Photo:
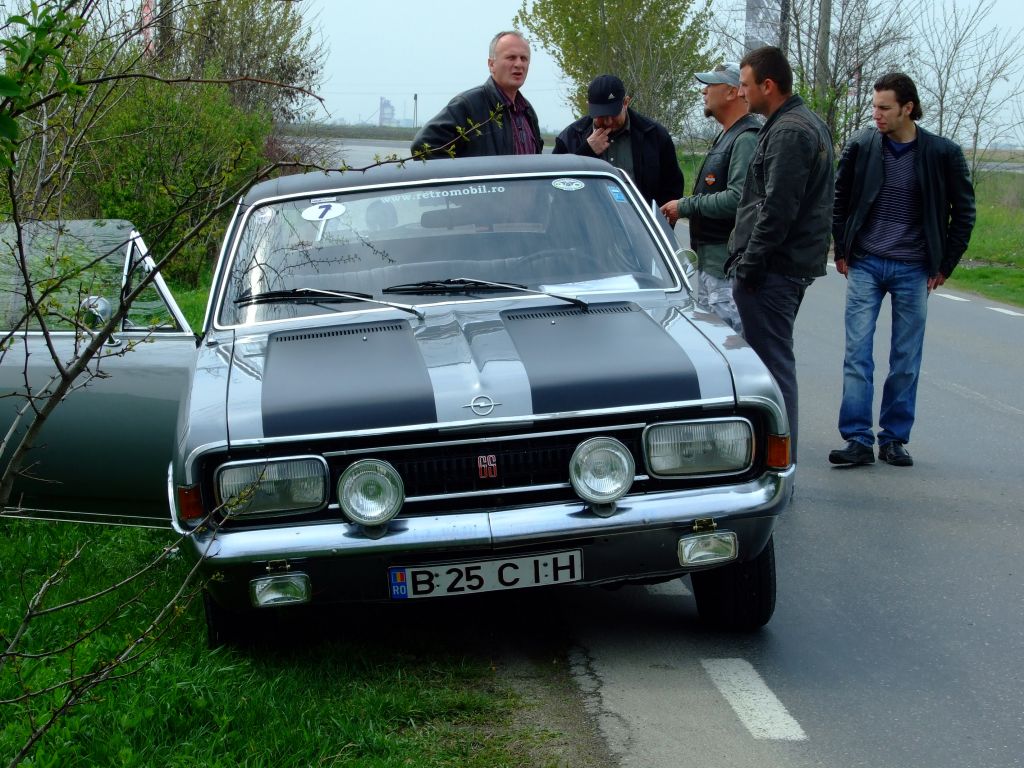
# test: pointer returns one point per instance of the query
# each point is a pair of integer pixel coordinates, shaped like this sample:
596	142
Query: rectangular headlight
273	486
709	447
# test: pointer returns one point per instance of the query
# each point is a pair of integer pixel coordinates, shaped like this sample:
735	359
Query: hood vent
359	330
600	309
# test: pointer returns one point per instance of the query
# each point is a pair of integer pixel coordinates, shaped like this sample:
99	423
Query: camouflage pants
714	294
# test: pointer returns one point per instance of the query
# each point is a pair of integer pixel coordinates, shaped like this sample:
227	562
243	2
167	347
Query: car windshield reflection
551	236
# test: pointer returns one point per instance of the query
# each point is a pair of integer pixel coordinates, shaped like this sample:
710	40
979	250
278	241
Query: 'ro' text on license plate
407	582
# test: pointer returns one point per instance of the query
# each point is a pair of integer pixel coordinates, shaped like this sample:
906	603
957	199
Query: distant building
386	113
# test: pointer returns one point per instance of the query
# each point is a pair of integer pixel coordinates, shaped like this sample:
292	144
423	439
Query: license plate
444	579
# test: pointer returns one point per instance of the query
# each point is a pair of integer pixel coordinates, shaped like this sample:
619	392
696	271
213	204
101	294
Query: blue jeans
868	280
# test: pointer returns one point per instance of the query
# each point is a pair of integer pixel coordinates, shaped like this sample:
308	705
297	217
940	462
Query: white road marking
950	296
753	701
1006	311
674	588
985	400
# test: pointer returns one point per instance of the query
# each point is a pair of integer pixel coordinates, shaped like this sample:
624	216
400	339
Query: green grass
994	263
313	692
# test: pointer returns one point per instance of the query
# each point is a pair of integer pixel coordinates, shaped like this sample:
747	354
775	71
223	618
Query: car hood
469	365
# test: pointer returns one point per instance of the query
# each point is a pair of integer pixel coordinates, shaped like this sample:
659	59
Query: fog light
601	470
707	548
371	492
283	589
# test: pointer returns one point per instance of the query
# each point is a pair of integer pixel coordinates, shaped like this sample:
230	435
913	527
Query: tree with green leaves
654	46
94	125
263	41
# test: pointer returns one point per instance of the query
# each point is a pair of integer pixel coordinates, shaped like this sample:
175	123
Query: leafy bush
163	150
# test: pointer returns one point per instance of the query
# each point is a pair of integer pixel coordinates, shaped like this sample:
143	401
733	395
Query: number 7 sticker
323	211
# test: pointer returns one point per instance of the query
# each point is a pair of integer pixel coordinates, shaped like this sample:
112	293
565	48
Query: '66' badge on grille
487	466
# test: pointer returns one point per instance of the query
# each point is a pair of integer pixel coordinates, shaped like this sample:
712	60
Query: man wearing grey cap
711	208
626	139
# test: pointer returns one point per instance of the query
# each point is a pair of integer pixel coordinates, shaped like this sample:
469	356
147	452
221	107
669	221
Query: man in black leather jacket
780	241
638	145
902	218
514	132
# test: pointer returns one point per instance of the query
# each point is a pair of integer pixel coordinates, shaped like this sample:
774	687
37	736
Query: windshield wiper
319	295
469	284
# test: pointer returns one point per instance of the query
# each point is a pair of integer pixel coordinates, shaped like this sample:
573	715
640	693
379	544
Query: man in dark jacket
626	139
903	214
515	130
780	241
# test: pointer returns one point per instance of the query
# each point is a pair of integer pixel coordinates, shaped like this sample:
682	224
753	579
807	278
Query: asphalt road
898	639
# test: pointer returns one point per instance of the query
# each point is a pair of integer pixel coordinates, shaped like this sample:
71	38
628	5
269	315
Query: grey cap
727	73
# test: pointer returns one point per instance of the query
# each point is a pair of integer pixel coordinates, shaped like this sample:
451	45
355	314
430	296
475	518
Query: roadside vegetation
341	690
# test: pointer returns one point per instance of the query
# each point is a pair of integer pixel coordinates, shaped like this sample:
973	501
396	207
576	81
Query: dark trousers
768	314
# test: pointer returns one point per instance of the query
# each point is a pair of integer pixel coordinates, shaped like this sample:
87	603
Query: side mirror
95	312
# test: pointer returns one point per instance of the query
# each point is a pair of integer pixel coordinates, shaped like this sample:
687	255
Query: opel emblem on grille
481	405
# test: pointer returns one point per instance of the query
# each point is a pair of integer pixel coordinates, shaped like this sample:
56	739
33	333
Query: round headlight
371	492
601	470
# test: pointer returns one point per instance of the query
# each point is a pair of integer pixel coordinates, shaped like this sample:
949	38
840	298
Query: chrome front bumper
637	542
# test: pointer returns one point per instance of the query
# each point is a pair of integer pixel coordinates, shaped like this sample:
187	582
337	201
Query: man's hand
841	267
670	211
598	140
935	282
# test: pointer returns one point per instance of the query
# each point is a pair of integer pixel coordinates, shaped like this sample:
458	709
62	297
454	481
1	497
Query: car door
103	453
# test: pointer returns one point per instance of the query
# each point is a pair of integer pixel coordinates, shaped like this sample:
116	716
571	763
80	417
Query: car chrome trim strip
483	440
158	280
477	424
502	491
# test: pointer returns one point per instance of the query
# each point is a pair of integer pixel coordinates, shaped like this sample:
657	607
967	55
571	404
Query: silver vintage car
465	376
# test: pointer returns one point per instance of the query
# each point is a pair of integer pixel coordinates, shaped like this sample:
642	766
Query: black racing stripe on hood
611	356
338	379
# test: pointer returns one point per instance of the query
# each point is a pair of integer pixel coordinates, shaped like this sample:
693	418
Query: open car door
103	453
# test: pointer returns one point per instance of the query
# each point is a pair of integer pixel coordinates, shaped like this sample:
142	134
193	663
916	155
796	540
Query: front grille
494	465
447	472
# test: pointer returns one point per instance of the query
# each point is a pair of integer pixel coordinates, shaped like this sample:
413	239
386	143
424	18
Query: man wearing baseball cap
711	208
638	145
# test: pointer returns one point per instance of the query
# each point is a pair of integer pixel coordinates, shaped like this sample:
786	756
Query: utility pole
821	53
784	6
759	28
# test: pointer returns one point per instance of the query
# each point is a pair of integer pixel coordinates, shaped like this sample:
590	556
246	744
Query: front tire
221	623
738	596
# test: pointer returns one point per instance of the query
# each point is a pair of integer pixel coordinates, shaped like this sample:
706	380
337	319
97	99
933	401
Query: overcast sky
399	48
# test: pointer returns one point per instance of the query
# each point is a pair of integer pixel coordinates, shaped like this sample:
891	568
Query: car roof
440	170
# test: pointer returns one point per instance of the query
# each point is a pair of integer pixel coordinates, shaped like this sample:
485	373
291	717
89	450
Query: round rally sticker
323	211
568	185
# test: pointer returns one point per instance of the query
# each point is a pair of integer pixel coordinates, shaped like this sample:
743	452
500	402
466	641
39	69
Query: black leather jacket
655	166
947	196
782	220
474	105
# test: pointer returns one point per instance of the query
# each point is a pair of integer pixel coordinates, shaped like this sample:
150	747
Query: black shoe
853	454
894	453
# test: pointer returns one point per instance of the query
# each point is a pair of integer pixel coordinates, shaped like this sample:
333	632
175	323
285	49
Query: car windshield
422	245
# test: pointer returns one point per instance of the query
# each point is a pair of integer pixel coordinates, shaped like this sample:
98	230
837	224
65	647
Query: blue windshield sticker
616	192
